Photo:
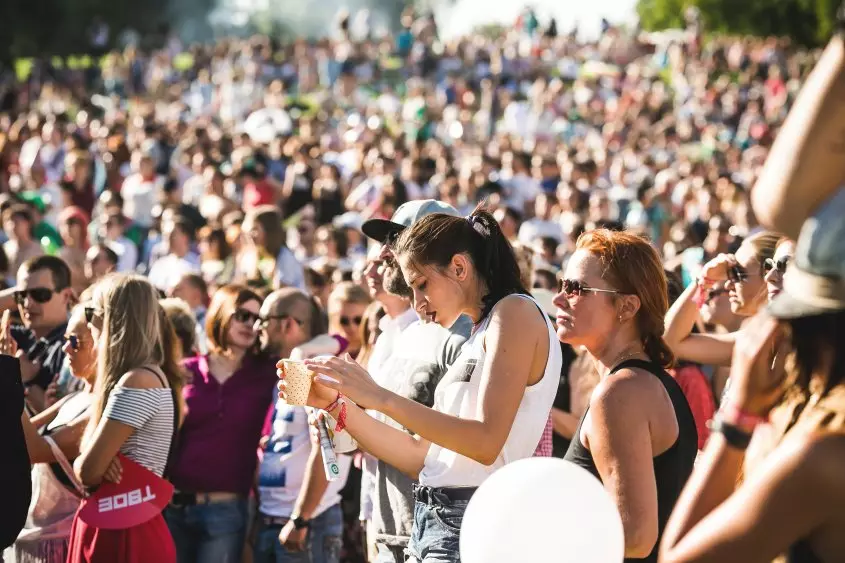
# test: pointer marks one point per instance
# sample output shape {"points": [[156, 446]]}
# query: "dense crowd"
{"points": [[284, 200]]}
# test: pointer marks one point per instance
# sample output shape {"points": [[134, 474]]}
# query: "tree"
{"points": [[809, 22]]}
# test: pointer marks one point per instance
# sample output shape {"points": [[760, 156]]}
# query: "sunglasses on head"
{"points": [[346, 321], [779, 265], [246, 317], [38, 294], [573, 288]]}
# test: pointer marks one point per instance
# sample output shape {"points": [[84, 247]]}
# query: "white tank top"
{"points": [[457, 394]]}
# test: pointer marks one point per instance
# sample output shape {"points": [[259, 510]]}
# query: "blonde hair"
{"points": [[348, 292], [135, 333]]}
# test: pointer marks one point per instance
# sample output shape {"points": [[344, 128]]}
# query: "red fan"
{"points": [[140, 495]]}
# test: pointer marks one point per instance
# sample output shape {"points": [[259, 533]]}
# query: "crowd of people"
{"points": [[485, 249]]}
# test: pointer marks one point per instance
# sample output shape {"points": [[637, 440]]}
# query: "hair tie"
{"points": [[478, 226]]}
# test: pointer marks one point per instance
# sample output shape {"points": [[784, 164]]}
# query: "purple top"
{"points": [[218, 441]]}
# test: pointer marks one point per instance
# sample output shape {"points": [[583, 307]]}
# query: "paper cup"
{"points": [[298, 380]]}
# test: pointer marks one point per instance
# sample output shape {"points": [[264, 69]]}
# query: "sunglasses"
{"points": [[38, 294], [91, 313], [779, 265], [346, 321], [246, 317], [737, 274], [572, 288], [73, 340]]}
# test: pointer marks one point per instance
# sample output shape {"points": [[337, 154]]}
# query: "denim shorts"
{"points": [[437, 526]]}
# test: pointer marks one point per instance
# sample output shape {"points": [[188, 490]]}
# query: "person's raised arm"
{"points": [[797, 491], [620, 442], [807, 162], [515, 341], [67, 438], [710, 349]]}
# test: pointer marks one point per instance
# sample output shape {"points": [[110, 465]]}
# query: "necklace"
{"points": [[622, 357]]}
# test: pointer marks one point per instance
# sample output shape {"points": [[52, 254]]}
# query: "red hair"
{"points": [[632, 266]]}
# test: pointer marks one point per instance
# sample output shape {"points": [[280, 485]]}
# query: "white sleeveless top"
{"points": [[457, 394]]}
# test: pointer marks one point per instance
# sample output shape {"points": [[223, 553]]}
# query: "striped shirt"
{"points": [[150, 413]]}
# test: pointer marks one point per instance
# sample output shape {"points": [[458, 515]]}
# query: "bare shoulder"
{"points": [[625, 393], [517, 314], [140, 379], [821, 459]]}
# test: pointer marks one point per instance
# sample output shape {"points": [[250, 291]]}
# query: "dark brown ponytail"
{"points": [[435, 239]]}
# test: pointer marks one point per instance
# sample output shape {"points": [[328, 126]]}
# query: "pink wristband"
{"points": [[742, 418]]}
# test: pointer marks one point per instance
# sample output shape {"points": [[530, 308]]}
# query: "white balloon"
{"points": [[542, 510]]}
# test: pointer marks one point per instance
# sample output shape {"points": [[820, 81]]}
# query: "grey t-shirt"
{"points": [[421, 356]]}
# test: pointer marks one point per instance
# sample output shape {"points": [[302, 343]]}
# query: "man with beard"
{"points": [[410, 358]]}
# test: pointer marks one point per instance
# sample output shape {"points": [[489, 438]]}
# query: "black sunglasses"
{"points": [[38, 294], [246, 317], [574, 287], [73, 340], [346, 321], [737, 274], [779, 265]]}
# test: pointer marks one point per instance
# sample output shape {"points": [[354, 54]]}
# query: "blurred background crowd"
{"points": [[256, 161]]}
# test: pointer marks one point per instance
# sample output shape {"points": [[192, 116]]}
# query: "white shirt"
{"points": [[282, 469], [168, 270], [536, 228], [457, 395], [127, 254], [139, 197], [391, 330]]}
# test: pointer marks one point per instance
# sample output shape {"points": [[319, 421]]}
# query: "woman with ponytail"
{"points": [[638, 434], [491, 406]]}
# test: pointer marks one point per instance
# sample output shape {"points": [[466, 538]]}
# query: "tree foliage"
{"points": [[809, 22]]}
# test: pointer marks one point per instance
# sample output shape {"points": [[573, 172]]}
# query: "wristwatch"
{"points": [[299, 523]]}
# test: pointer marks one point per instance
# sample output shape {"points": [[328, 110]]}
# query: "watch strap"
{"points": [[300, 523], [734, 436]]}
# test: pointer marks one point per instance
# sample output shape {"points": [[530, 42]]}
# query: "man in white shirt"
{"points": [[113, 230], [166, 272], [300, 517]]}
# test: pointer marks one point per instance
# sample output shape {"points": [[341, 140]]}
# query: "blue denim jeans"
{"points": [[325, 538], [436, 534], [208, 533]]}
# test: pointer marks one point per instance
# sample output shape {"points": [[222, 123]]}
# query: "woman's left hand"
{"points": [[757, 367], [348, 377]]}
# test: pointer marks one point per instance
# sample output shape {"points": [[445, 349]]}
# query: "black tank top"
{"points": [[672, 468]]}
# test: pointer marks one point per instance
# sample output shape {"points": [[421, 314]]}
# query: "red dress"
{"points": [[149, 542]]}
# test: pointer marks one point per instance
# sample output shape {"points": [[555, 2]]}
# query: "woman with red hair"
{"points": [[638, 434]]}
